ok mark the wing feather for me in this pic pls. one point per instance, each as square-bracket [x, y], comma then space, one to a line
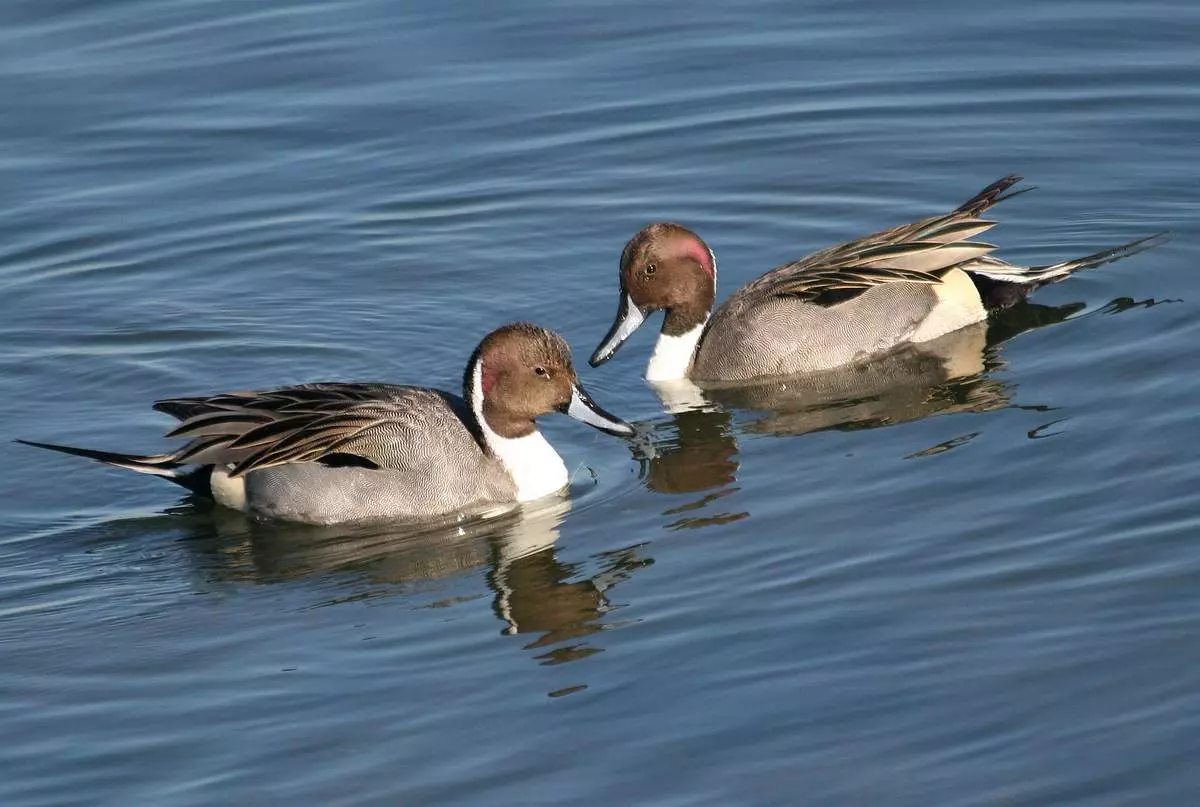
[920, 252]
[252, 430]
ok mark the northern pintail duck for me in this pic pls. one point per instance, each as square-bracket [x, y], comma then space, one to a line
[908, 284]
[335, 452]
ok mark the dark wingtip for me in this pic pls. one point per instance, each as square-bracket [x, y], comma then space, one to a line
[1005, 196]
[991, 195]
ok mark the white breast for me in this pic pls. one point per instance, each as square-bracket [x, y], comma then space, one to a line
[532, 462]
[673, 355]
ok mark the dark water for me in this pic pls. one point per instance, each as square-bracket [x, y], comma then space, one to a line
[919, 587]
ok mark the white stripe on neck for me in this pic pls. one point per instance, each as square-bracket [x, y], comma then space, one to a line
[673, 355]
[531, 461]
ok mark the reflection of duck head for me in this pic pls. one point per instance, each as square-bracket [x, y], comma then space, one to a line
[945, 375]
[698, 454]
[534, 592]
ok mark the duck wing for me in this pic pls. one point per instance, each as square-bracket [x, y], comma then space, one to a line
[371, 425]
[919, 252]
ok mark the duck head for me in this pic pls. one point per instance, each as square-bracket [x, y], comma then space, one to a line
[522, 371]
[665, 267]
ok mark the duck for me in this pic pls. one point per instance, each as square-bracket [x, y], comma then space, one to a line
[328, 453]
[845, 304]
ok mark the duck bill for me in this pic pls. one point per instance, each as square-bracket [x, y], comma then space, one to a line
[629, 318]
[585, 410]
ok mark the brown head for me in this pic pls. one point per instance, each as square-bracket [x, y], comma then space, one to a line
[665, 267]
[520, 372]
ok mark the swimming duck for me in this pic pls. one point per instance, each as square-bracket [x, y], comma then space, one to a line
[334, 452]
[909, 284]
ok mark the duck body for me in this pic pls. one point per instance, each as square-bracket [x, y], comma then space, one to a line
[426, 458]
[841, 305]
[334, 452]
[748, 338]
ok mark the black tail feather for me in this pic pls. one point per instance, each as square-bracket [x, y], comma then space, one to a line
[149, 464]
[1113, 254]
[195, 480]
[998, 295]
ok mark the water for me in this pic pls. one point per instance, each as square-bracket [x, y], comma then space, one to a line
[918, 590]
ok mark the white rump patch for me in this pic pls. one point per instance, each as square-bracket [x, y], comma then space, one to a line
[958, 305]
[228, 491]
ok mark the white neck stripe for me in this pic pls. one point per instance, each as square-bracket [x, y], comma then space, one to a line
[673, 354]
[531, 461]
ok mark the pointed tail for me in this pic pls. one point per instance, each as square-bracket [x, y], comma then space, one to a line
[1034, 276]
[1057, 271]
[156, 464]
[162, 465]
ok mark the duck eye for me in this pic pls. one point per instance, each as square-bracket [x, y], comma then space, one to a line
[541, 371]
[651, 269]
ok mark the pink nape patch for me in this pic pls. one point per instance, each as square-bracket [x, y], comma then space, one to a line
[697, 252]
[487, 379]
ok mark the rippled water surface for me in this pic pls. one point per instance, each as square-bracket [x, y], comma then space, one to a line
[971, 580]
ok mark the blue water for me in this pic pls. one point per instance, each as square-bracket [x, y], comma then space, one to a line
[970, 589]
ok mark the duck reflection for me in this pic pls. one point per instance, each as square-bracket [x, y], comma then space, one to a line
[951, 374]
[537, 594]
[534, 592]
[937, 377]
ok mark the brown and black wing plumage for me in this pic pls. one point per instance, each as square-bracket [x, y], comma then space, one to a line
[920, 252]
[340, 424]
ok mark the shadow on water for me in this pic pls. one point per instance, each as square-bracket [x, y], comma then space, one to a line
[698, 449]
[534, 593]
